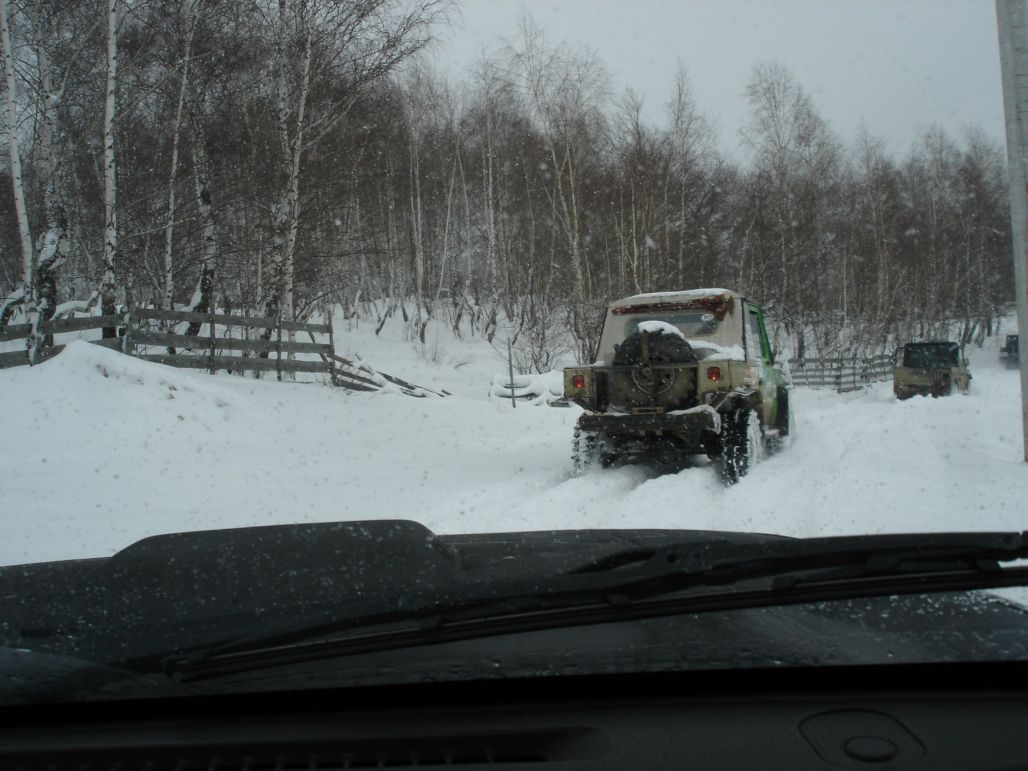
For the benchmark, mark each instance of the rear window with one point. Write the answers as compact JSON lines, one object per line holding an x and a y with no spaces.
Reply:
{"x":930,"y":356}
{"x":695,"y":324}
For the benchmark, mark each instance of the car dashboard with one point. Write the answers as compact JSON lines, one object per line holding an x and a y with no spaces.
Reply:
{"x":961,"y":716}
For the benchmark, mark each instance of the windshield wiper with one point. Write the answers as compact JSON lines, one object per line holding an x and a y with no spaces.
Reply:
{"x":636,"y":584}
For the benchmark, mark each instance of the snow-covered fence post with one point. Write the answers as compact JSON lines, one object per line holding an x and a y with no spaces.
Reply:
{"x":332,"y":350}
{"x":127,"y":346}
{"x":213,"y":334}
{"x":510,"y":371}
{"x":278,"y":347}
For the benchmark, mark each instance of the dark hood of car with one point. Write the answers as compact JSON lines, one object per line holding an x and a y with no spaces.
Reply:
{"x":173,"y":592}
{"x":182,"y":588}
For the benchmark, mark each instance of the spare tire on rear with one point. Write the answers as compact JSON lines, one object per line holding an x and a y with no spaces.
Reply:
{"x":661,"y":347}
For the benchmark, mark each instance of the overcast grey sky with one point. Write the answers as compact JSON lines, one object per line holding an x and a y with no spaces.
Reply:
{"x":900,"y":65}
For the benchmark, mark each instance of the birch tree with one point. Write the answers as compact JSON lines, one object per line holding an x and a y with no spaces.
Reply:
{"x":564,"y":91}
{"x":795,"y":161}
{"x":50,"y":248}
{"x":327,"y":55}
{"x":22,"y":294}
{"x":187,"y":17}
{"x":108,"y":287}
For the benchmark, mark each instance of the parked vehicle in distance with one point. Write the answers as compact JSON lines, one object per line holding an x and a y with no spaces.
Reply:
{"x":680,"y":374}
{"x":1010,"y":353}
{"x":930,"y":369}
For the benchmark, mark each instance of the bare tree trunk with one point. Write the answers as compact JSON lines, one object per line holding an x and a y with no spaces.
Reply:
{"x":286,"y":225}
{"x":188,"y":15}
{"x":107,"y":282}
{"x":466,"y":289}
{"x":490,"y":212}
{"x":203,"y":296}
{"x":51,"y":249}
{"x":444,"y":254}
{"x":24,"y":294}
{"x":417,"y":216}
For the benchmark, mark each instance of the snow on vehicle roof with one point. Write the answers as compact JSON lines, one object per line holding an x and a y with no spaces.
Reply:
{"x":705,"y":349}
{"x":660,"y":327}
{"x":685,"y":294}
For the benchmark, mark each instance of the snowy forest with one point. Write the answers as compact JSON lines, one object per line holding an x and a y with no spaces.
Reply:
{"x":284,"y":156}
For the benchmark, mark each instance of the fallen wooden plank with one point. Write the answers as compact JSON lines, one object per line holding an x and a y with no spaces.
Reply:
{"x":345,"y":381}
{"x":359,"y":377}
{"x":394,"y":380}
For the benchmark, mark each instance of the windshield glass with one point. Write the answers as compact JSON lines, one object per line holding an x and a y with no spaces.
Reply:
{"x":326,"y":319}
{"x":931,"y":356}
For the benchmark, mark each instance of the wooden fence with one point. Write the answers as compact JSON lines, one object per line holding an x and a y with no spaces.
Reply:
{"x":258,"y":347}
{"x":842,"y":374}
{"x":54,"y":327}
{"x":222,"y":342}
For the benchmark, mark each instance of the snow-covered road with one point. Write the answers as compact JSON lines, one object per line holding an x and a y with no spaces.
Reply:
{"x":100,"y":450}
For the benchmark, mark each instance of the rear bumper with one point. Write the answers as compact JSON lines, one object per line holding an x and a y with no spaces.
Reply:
{"x":906,"y":391}
{"x":692,"y":422}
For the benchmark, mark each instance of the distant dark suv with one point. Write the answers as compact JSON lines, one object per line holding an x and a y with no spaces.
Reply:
{"x":680,"y":374}
{"x":930,"y":369}
{"x":1010,"y":354}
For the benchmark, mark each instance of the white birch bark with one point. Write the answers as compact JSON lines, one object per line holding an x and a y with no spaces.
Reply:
{"x":188,"y":16}
{"x":11,"y":104}
{"x":447,"y":224}
{"x":492,"y":261}
{"x":296,"y":148}
{"x":417,"y":324}
{"x":201,"y":189}
{"x":52,"y":246}
{"x":107,"y":285}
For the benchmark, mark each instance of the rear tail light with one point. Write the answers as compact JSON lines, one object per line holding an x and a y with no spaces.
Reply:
{"x":578,"y":381}
{"x":714,"y":373}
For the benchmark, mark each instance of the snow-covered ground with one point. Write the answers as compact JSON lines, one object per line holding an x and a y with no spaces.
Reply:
{"x":98,"y":450}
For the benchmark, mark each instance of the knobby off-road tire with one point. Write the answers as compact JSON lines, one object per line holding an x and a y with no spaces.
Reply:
{"x":589,"y":450}
{"x":583,"y":451}
{"x":742,"y":445}
{"x":785,"y":426}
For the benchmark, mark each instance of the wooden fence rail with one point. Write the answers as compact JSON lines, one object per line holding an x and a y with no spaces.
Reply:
{"x":263,"y":352}
{"x":142,"y":329}
{"x":56,"y":326}
{"x":227,"y":320}
{"x":842,"y":374}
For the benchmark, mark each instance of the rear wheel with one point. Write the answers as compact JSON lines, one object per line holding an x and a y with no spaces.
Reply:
{"x":784,"y":426}
{"x":589,"y":450}
{"x":742,"y":445}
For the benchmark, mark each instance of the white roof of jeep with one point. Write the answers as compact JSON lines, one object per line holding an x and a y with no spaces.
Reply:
{"x":687,"y":294}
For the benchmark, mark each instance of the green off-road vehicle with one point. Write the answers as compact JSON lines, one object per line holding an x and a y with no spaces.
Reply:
{"x":680,"y":374}
{"x":930,"y":369}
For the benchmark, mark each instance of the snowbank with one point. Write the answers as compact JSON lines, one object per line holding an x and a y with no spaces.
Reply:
{"x":100,"y":450}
